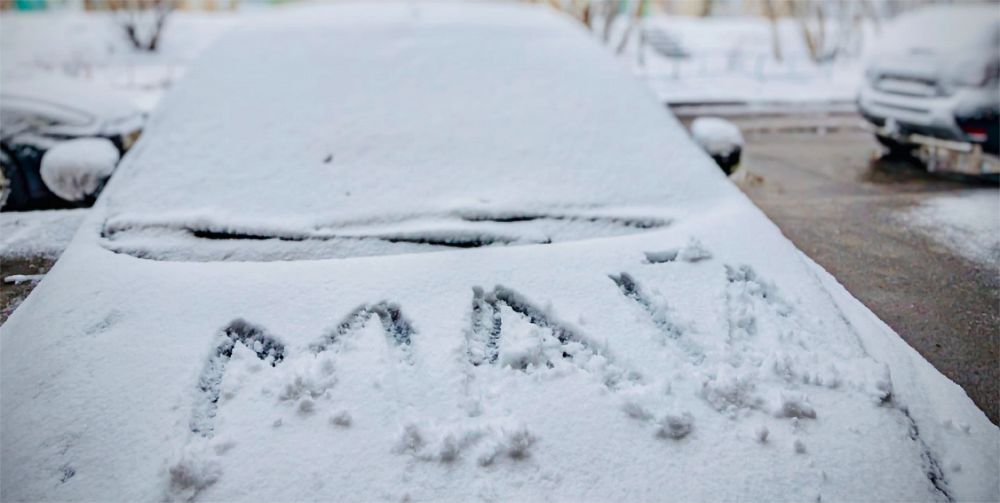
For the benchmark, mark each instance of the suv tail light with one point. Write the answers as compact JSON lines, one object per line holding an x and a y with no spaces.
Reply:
{"x":975,"y":133}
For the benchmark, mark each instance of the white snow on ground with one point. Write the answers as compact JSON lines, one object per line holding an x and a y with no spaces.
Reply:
{"x":591,"y":368}
{"x":91,"y":47}
{"x":38,"y":233}
{"x":76,"y":169}
{"x":967,"y":222}
{"x":731,"y":60}
{"x":717,"y":136}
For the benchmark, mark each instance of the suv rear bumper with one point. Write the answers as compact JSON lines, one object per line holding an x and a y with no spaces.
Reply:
{"x":930,"y":124}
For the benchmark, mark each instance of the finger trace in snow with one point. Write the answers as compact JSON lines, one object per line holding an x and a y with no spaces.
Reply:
{"x":931,"y":465}
{"x":659,"y":313}
{"x":397,"y":327}
{"x":238,"y":332}
{"x":211,"y":239}
{"x":531,"y":338}
{"x":312,"y":374}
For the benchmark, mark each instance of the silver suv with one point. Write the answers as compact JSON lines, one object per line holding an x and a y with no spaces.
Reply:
{"x":934,"y":85}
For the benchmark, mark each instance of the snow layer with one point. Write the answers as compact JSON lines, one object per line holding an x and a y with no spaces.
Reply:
{"x":732,"y":60}
{"x":717,"y":136}
{"x":967,"y":222}
{"x":77,"y":169}
{"x":90,"y":48}
{"x":583,"y":369}
{"x":38,"y":233}
{"x":944,"y":28}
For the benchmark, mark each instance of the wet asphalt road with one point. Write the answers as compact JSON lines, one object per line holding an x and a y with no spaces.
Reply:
{"x":837,"y":200}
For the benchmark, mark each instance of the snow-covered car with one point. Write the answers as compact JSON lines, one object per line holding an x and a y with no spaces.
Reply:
{"x":934,"y":85}
{"x":60,"y":140}
{"x":452,"y":252}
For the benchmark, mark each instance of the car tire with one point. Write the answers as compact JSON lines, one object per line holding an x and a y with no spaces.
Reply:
{"x":15,"y":188}
{"x":896,"y":148}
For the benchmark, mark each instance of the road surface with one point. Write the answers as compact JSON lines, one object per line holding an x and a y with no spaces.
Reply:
{"x":840,"y":203}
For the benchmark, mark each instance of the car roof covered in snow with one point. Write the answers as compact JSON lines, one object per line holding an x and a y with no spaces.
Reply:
{"x":946,"y":27}
{"x":452,"y":252}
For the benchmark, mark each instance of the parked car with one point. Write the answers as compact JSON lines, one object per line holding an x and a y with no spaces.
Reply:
{"x":452,"y":252}
{"x":37,"y":115}
{"x":933,"y":86}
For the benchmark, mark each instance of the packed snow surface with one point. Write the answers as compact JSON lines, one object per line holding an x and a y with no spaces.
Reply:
{"x":967,"y":222}
{"x":38,"y":233}
{"x":716,"y":135}
{"x":77,"y":169}
{"x":545,"y":347}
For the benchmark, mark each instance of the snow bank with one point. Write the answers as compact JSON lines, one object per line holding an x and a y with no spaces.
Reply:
{"x":77,"y":169}
{"x":589,"y":368}
{"x":717,"y":136}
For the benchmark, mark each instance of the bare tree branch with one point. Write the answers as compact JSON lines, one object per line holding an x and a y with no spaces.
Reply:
{"x":135,"y":15}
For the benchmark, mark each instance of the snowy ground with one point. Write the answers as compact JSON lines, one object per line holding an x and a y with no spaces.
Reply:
{"x":38,"y":233}
{"x":731,"y":60}
{"x":966,"y":222}
{"x":599,"y":314}
{"x":91,"y":47}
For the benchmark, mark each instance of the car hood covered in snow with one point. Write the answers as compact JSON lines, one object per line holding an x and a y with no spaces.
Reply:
{"x":452,"y":252}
